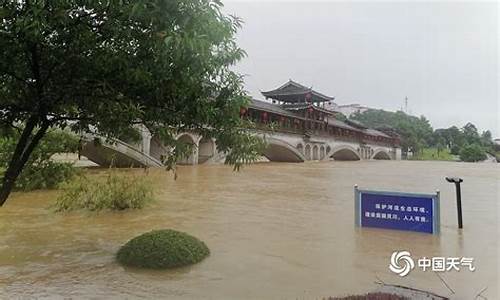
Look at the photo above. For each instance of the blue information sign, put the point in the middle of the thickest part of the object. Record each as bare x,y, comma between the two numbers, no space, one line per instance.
399,211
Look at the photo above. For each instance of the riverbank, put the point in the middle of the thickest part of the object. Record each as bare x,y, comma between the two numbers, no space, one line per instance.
435,154
276,231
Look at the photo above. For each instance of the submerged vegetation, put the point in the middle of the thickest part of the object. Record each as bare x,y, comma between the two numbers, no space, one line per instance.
160,249
113,192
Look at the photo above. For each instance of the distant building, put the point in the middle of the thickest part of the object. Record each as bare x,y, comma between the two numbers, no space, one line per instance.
497,141
350,109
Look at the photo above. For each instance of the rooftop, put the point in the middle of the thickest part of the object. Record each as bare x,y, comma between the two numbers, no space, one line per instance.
294,92
287,110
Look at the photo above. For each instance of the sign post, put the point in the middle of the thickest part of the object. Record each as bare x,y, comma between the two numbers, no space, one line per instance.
457,182
397,211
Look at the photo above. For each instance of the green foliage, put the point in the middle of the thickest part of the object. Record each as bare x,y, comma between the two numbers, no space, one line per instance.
114,192
455,150
130,135
472,153
107,65
40,171
433,154
160,249
415,132
417,135
340,116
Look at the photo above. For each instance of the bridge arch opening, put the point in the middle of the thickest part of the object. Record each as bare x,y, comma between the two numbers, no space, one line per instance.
321,152
345,153
206,150
282,152
315,152
190,158
382,155
157,149
308,152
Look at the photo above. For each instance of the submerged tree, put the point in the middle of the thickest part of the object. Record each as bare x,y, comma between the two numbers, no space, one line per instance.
106,65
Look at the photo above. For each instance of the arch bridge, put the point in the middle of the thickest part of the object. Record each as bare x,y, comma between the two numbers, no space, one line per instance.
281,147
296,126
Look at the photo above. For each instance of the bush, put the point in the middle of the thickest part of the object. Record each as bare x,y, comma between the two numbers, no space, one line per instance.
114,192
160,249
40,172
472,153
46,175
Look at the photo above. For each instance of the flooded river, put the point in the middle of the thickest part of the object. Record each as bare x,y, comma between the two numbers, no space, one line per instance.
276,231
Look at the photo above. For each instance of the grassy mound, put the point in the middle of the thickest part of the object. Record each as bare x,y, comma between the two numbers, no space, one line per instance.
160,249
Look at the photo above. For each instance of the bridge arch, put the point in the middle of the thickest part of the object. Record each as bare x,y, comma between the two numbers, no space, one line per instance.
113,152
157,149
206,149
307,153
321,152
344,152
278,150
191,158
381,154
315,153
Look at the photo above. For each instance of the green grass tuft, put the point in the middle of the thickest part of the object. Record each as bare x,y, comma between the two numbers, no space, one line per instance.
114,192
161,249
432,154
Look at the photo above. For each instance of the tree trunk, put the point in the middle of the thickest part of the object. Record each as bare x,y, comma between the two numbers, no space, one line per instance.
24,148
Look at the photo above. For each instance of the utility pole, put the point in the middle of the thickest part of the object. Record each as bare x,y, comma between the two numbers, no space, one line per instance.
406,104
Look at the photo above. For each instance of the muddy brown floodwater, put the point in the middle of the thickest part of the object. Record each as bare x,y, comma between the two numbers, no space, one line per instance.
276,231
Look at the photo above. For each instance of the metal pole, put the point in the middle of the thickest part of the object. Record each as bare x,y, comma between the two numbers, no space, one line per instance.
459,205
457,182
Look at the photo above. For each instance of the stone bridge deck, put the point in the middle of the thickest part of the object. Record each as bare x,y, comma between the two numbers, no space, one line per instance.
281,147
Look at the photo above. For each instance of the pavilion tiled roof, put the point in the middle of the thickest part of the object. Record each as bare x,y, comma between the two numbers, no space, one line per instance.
266,106
306,105
374,132
356,124
295,92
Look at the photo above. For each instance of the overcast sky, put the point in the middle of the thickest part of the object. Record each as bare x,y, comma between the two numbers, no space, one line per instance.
442,55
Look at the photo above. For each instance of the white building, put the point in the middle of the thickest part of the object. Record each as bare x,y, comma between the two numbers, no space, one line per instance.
350,109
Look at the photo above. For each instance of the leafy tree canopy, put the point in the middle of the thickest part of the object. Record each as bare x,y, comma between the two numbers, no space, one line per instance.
472,153
106,65
415,132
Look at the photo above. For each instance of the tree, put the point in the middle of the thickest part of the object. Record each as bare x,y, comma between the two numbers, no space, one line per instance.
107,65
471,134
472,153
487,141
40,170
415,132
440,145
